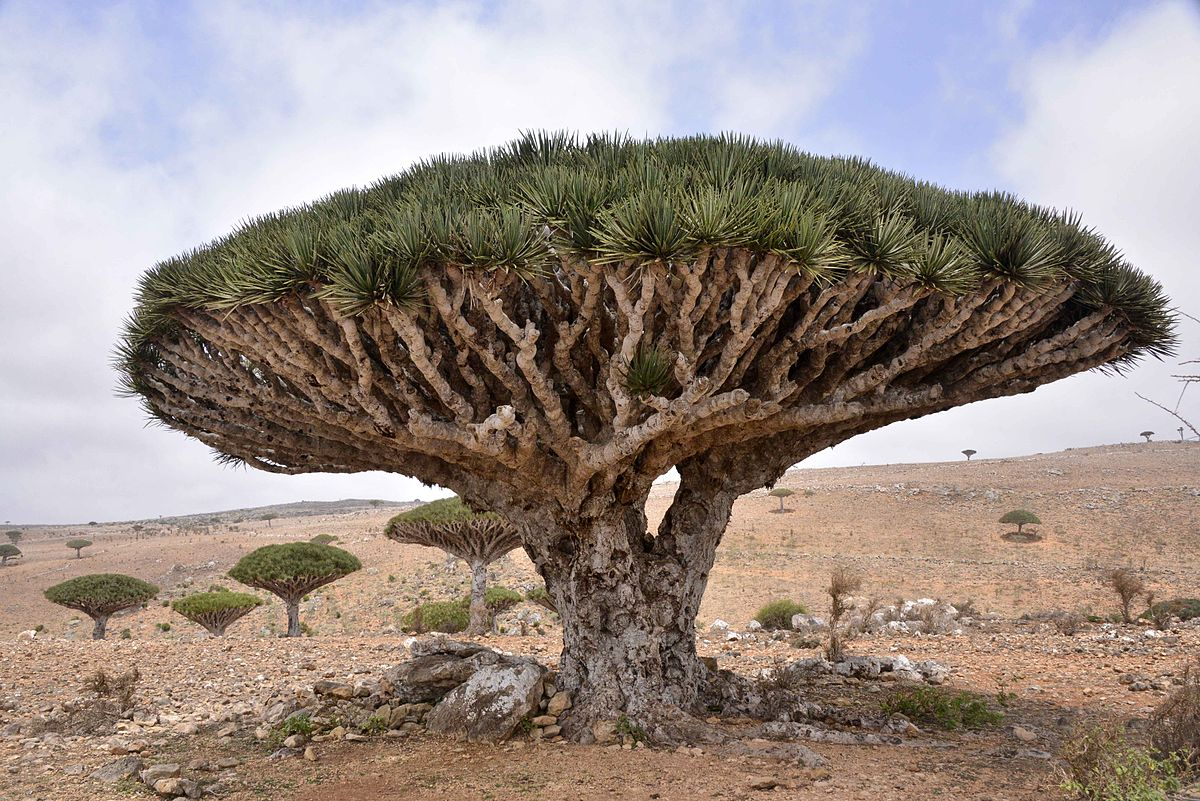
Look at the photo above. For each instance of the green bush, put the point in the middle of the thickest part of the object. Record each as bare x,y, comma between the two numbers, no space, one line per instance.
448,617
126,634
1101,765
163,626
376,725
778,614
299,723
945,709
1182,608
499,599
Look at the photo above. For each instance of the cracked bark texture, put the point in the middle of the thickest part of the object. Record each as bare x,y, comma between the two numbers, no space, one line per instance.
510,391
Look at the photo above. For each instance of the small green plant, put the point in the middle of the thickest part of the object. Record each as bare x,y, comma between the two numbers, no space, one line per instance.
39,628
1101,765
301,724
525,725
375,725
448,617
648,372
164,627
778,614
166,603
307,630
391,579
630,732
126,634
1182,608
1003,697
947,710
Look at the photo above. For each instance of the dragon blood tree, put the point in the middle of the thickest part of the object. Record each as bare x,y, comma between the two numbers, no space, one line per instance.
8,551
101,595
292,570
477,539
547,327
216,610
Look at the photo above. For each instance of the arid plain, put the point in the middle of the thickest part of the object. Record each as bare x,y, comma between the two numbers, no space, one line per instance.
911,531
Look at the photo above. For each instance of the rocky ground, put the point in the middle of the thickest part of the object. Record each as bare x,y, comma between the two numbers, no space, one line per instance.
913,531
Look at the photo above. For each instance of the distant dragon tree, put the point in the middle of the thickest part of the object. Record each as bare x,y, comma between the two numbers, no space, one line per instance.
547,327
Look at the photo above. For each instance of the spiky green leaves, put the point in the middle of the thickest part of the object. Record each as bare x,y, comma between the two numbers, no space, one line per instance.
444,510
200,603
101,593
649,372
546,199
294,564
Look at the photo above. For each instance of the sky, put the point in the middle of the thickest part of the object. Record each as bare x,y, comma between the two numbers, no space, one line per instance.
130,132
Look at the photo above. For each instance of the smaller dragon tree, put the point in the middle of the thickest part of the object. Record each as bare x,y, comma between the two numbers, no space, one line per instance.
969,452
478,539
292,570
782,493
323,539
1147,435
14,535
7,552
78,545
1021,518
100,596
216,610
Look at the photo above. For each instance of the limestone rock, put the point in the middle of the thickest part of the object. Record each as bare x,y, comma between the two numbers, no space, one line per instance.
560,702
488,705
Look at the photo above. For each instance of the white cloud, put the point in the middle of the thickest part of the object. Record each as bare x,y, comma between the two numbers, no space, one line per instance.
117,154
1109,129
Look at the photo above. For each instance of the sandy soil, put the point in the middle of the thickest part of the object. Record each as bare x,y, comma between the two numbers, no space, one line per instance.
912,530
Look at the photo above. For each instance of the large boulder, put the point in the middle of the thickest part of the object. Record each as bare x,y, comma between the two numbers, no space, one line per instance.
488,706
431,677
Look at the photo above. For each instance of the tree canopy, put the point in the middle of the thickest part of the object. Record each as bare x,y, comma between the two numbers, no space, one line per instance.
298,562
1022,517
8,551
291,570
78,545
215,610
99,595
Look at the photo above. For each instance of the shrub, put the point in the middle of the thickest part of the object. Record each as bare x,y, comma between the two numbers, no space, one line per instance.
778,614
1101,765
300,723
323,539
78,545
126,634
101,595
541,597
14,535
1175,723
163,627
391,579
216,611
1182,608
448,617
948,710
376,725
1128,586
1067,623
498,599
843,583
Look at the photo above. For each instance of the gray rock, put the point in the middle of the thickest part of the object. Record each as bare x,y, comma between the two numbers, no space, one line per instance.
488,706
808,624
431,677
166,770
334,689
176,786
118,769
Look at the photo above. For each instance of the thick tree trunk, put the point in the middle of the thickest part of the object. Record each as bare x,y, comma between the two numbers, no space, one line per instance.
101,625
628,602
293,616
480,621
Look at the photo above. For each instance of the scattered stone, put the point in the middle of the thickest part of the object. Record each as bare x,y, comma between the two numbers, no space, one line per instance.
224,763
294,741
310,754
559,703
166,770
1024,735
334,689
119,769
604,732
